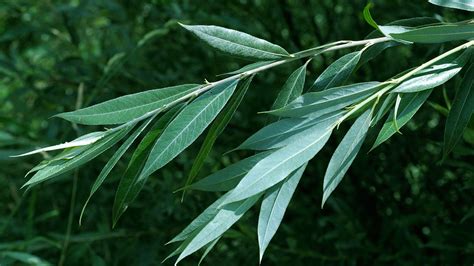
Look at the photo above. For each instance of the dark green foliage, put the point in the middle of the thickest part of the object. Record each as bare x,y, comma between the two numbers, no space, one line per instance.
397,204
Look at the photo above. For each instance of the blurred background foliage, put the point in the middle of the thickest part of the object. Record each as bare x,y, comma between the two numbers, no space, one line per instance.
397,205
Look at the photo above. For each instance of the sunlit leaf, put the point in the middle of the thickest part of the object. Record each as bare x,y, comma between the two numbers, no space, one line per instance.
282,132
274,204
338,72
345,154
216,129
237,43
222,221
128,187
279,164
467,5
438,33
292,88
58,167
187,126
227,178
113,161
409,105
126,108
327,101
81,141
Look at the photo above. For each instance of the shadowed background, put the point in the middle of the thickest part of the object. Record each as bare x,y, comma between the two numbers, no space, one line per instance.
397,204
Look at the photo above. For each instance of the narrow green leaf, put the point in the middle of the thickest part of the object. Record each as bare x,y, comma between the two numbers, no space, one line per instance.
227,178
460,112
384,108
345,154
216,129
327,101
58,167
128,187
429,78
437,34
395,112
374,50
292,88
113,161
126,108
282,132
81,141
274,204
368,17
199,222
338,72
467,5
210,246
67,154
23,258
279,164
187,126
409,105
223,220
237,43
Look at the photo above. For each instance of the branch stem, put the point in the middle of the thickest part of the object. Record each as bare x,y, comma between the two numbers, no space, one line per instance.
390,84
293,57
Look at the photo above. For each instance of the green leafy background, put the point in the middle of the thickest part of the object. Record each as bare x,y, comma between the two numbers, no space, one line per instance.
397,205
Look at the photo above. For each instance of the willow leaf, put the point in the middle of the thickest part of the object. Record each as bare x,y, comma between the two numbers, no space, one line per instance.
279,164
384,108
460,112
292,88
409,105
217,127
209,247
274,204
223,220
270,136
345,154
59,167
368,17
187,126
81,141
338,72
437,34
113,161
128,187
227,178
199,222
327,101
429,78
126,108
467,5
282,132
237,43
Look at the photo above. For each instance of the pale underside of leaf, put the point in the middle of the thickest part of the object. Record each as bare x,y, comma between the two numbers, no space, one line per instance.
81,141
274,204
126,108
345,154
187,126
338,72
279,164
409,105
467,5
237,43
319,103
